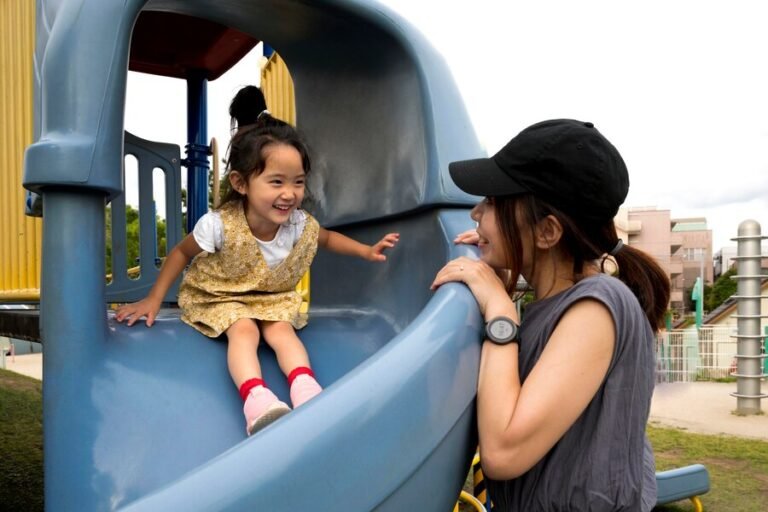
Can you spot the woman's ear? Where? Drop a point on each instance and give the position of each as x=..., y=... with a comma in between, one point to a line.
x=548, y=232
x=237, y=181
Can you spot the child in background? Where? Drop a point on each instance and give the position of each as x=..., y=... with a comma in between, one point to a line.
x=247, y=105
x=247, y=258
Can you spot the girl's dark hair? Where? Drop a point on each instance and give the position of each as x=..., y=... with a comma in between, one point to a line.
x=246, y=153
x=585, y=242
x=246, y=106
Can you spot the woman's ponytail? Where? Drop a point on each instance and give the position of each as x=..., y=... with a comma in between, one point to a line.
x=647, y=280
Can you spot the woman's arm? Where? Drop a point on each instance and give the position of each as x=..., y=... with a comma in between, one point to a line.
x=174, y=265
x=518, y=426
x=342, y=244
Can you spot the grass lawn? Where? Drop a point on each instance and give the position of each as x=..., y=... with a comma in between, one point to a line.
x=738, y=468
x=21, y=443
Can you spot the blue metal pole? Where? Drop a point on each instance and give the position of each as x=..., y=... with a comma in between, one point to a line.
x=197, y=148
x=73, y=322
x=267, y=49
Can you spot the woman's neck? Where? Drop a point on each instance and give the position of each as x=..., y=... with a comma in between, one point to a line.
x=551, y=287
x=554, y=275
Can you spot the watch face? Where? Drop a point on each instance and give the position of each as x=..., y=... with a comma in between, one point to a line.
x=502, y=329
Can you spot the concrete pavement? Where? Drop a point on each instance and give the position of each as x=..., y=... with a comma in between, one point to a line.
x=706, y=408
x=30, y=365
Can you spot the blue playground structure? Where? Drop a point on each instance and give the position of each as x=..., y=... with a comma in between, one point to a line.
x=147, y=419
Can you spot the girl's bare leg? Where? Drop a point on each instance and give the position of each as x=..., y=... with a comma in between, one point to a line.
x=288, y=347
x=293, y=360
x=261, y=406
x=243, y=340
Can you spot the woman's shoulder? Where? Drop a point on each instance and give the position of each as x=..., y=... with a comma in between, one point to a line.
x=602, y=282
x=610, y=290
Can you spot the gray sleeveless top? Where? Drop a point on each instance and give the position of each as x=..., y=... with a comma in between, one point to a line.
x=604, y=461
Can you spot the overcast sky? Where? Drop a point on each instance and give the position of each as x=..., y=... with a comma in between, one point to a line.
x=679, y=86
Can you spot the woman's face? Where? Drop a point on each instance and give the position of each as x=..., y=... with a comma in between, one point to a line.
x=490, y=243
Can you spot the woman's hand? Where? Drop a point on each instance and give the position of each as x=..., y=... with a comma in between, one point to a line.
x=146, y=307
x=469, y=237
x=377, y=249
x=483, y=282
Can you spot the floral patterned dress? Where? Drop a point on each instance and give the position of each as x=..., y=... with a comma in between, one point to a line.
x=236, y=282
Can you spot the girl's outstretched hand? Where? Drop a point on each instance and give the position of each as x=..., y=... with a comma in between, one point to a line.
x=146, y=307
x=377, y=249
x=469, y=237
x=483, y=282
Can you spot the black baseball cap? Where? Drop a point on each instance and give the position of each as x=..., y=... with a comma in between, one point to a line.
x=565, y=162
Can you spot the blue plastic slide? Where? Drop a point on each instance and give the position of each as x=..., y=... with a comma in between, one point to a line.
x=147, y=418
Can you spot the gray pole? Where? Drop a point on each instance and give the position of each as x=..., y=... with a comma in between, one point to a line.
x=749, y=357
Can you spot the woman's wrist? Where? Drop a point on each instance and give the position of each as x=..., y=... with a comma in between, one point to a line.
x=505, y=308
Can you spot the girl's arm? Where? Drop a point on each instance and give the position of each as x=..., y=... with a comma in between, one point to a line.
x=469, y=237
x=174, y=265
x=341, y=244
x=517, y=424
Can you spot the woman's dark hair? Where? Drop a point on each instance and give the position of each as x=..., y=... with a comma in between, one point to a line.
x=585, y=242
x=246, y=153
x=246, y=106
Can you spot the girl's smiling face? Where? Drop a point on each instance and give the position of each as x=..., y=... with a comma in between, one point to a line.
x=273, y=194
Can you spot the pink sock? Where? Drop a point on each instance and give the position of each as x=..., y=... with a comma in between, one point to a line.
x=258, y=400
x=303, y=388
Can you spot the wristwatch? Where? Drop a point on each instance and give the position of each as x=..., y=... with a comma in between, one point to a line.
x=502, y=330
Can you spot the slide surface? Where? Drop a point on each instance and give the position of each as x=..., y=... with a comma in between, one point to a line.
x=147, y=418
x=393, y=430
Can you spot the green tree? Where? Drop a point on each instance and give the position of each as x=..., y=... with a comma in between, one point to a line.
x=721, y=290
x=132, y=243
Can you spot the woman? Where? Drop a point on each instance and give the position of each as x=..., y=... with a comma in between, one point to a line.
x=563, y=398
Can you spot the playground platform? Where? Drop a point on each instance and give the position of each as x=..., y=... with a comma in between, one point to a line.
x=701, y=407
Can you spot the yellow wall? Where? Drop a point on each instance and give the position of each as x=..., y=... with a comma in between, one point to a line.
x=277, y=85
x=20, y=236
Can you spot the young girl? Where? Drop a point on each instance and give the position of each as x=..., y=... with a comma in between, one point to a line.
x=563, y=398
x=249, y=256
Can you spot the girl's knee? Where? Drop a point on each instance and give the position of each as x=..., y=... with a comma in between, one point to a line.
x=244, y=328
x=279, y=333
x=277, y=328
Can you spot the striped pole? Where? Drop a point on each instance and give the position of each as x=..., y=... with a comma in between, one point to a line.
x=478, y=483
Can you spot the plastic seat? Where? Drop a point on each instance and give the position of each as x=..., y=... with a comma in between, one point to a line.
x=688, y=482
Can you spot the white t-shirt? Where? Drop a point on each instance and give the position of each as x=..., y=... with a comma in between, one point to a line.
x=209, y=235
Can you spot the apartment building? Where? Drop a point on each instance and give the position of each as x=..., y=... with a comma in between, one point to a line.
x=650, y=229
x=682, y=247
x=725, y=259
x=696, y=249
